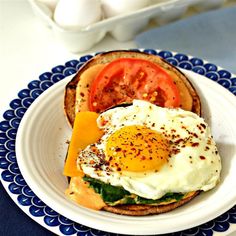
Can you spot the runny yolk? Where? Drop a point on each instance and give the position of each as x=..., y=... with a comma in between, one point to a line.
x=137, y=148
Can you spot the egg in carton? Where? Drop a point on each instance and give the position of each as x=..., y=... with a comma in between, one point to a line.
x=80, y=24
x=131, y=26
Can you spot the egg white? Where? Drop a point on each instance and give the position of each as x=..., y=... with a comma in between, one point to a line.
x=76, y=14
x=113, y=8
x=192, y=168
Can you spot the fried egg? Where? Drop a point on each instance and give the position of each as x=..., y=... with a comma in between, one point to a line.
x=151, y=151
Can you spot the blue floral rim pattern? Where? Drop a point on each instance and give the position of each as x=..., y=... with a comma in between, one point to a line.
x=10, y=173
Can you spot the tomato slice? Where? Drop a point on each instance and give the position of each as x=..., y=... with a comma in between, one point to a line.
x=125, y=79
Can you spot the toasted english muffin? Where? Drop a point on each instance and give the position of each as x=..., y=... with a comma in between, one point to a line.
x=142, y=210
x=189, y=97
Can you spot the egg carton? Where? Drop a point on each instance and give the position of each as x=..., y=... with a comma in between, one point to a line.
x=122, y=27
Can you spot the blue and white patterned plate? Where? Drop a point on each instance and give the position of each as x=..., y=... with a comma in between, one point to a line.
x=30, y=203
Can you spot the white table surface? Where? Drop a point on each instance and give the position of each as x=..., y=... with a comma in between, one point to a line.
x=28, y=48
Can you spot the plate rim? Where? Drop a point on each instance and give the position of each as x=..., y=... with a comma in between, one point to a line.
x=5, y=182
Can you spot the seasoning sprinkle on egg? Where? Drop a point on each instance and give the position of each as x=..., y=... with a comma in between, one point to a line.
x=147, y=150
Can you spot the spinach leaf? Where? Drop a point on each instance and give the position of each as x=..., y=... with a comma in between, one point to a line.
x=114, y=195
x=108, y=192
x=166, y=198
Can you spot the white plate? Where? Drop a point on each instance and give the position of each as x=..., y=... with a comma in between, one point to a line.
x=41, y=148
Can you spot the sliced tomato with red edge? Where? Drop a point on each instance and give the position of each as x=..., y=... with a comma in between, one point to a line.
x=125, y=79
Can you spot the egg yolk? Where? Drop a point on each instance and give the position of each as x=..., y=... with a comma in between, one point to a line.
x=137, y=149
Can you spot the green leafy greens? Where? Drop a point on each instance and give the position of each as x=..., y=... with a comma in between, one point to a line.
x=114, y=195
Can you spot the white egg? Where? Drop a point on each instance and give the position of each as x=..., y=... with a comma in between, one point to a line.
x=74, y=14
x=114, y=8
x=151, y=151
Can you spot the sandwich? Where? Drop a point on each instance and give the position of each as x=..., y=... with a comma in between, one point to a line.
x=139, y=145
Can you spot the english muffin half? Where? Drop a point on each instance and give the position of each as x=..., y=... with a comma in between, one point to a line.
x=78, y=89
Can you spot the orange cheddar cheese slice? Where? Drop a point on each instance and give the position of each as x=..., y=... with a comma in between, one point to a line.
x=85, y=132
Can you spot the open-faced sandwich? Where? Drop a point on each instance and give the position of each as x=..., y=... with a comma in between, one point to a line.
x=139, y=145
